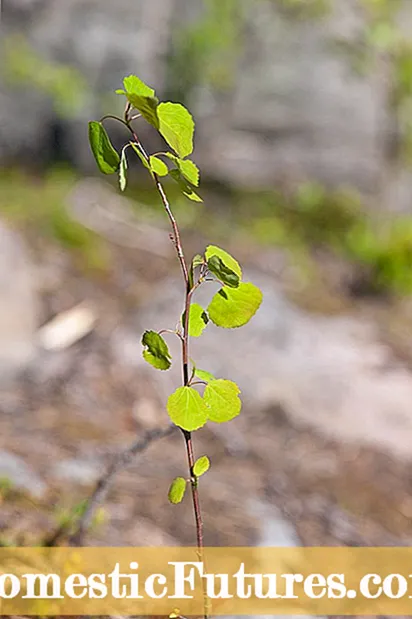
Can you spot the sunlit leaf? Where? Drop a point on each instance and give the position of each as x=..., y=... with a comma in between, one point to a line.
x=187, y=409
x=158, y=166
x=201, y=466
x=222, y=400
x=198, y=320
x=234, y=307
x=190, y=171
x=188, y=168
x=177, y=127
x=142, y=98
x=177, y=490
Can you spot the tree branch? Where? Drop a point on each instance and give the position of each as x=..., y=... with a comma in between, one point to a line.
x=121, y=461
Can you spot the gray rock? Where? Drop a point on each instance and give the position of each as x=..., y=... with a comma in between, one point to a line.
x=296, y=109
x=18, y=305
x=22, y=477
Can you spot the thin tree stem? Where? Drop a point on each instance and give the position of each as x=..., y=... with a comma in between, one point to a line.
x=121, y=461
x=189, y=290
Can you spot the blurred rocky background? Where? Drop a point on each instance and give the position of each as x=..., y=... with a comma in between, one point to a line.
x=304, y=139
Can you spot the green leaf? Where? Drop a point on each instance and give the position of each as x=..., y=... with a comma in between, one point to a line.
x=226, y=258
x=234, y=307
x=190, y=171
x=188, y=168
x=201, y=466
x=156, y=351
x=140, y=155
x=177, y=490
x=222, y=399
x=177, y=127
x=185, y=186
x=198, y=320
x=187, y=409
x=141, y=97
x=107, y=158
x=135, y=85
x=207, y=377
x=222, y=272
x=123, y=170
x=158, y=166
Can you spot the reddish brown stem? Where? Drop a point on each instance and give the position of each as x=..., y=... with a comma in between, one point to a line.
x=185, y=348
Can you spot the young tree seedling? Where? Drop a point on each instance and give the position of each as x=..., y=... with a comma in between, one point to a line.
x=202, y=398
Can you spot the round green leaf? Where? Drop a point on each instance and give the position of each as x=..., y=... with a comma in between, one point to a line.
x=202, y=465
x=156, y=351
x=198, y=320
x=177, y=127
x=177, y=490
x=187, y=409
x=222, y=400
x=107, y=158
x=234, y=307
x=222, y=272
x=226, y=258
x=158, y=166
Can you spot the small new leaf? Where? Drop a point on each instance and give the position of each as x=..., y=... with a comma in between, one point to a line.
x=142, y=98
x=201, y=466
x=226, y=258
x=156, y=351
x=123, y=170
x=177, y=127
x=177, y=490
x=107, y=158
x=158, y=166
x=222, y=400
x=185, y=186
x=222, y=272
x=234, y=307
x=187, y=409
x=206, y=377
x=198, y=320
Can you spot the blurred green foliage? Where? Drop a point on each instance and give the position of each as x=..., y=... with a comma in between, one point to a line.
x=38, y=205
x=305, y=9
x=310, y=218
x=336, y=221
x=205, y=51
x=23, y=67
x=386, y=46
